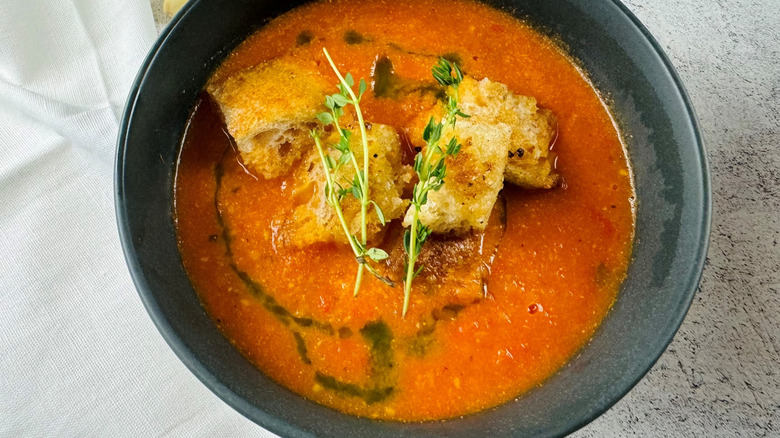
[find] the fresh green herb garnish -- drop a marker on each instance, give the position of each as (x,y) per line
(335,191)
(430,168)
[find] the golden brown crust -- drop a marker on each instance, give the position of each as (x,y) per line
(269,110)
(506,137)
(314,220)
(530,164)
(474,177)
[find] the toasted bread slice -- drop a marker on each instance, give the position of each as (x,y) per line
(530,162)
(506,137)
(269,110)
(314,220)
(474,177)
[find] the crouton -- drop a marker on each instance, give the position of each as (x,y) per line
(474,177)
(505,137)
(456,268)
(462,262)
(314,220)
(269,110)
(530,162)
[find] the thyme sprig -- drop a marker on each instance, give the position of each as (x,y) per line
(335,191)
(430,168)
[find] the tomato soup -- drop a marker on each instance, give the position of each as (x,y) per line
(556,257)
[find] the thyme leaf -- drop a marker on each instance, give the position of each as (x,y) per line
(335,192)
(431,169)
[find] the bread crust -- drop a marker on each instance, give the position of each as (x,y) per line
(314,220)
(530,163)
(474,177)
(269,109)
(506,137)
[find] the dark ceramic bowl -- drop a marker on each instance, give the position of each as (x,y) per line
(673,221)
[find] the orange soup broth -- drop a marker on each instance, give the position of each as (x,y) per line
(555,275)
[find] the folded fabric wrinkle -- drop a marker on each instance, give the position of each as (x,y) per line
(76,346)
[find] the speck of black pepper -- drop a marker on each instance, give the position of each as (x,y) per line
(353,37)
(213,238)
(375,155)
(304,38)
(471,184)
(417,149)
(345,332)
(614,206)
(520,152)
(511,154)
(453,57)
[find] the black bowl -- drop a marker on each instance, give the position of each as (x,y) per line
(673,221)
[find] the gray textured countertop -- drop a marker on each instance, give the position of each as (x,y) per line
(720,377)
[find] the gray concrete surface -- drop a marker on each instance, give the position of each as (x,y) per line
(720,376)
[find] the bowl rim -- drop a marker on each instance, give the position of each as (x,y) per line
(283,428)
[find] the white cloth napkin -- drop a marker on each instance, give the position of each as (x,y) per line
(78,354)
